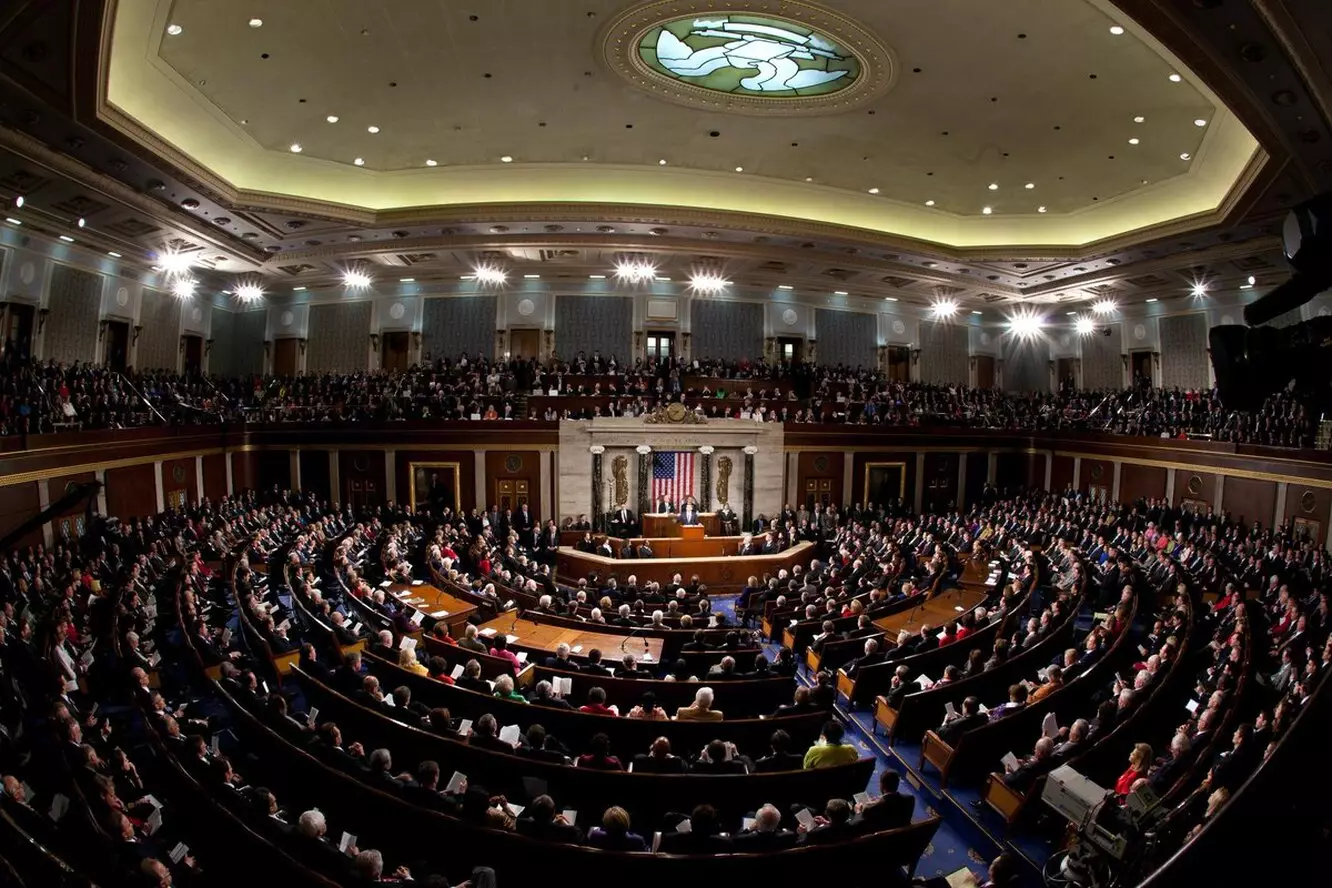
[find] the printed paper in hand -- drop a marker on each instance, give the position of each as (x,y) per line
(1191,706)
(407,644)
(509,734)
(226,637)
(563,686)
(684,826)
(923,681)
(747,824)
(1050,726)
(985,710)
(418,618)
(465,727)
(264,685)
(59,805)
(154,822)
(314,715)
(522,656)
(950,709)
(861,798)
(356,629)
(456,673)
(805,818)
(215,745)
(963,878)
(346,842)
(1009,761)
(517,810)
(178,853)
(571,815)
(390,702)
(457,780)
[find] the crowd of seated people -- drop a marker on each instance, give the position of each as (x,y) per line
(40,397)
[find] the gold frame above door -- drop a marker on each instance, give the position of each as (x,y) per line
(882,464)
(454,467)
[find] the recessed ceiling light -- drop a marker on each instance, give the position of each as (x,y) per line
(12,221)
(355,279)
(256,23)
(976,311)
(1134,141)
(295,148)
(1084,326)
(1200,122)
(466,277)
(406,280)
(929,203)
(635,271)
(82,223)
(994,186)
(531,277)
(1252,280)
(297,289)
(372,129)
(332,118)
(1199,289)
(840,293)
(809,178)
(174,30)
(18,201)
(597,277)
(183,288)
(987,210)
(1040,209)
(360,161)
(1029,185)
(662,161)
(113,254)
(785,287)
(1175,78)
(890,299)
(67,239)
(1139,119)
(249,292)
(506,159)
(1185,156)
(431,163)
(739,169)
(874,191)
(1116,30)
(1153,299)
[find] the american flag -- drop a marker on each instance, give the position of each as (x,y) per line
(672,476)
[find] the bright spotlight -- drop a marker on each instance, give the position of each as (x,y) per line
(708,282)
(355,279)
(249,292)
(1199,290)
(1026,324)
(635,272)
(174,263)
(491,274)
(944,309)
(1085,326)
(183,288)
(1105,306)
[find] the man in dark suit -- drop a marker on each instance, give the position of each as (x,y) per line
(833,825)
(689,514)
(954,727)
(871,656)
(665,507)
(622,517)
(764,834)
(781,758)
(800,705)
(890,810)
(644,550)
(659,760)
(1025,775)
(540,821)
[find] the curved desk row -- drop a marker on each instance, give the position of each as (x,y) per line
(720,573)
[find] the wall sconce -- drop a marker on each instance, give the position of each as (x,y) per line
(101,329)
(208,346)
(915,356)
(1052,366)
(303,343)
(42,314)
(182,344)
(138,328)
(267,344)
(374,342)
(416,341)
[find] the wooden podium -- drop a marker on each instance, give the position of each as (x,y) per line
(692,531)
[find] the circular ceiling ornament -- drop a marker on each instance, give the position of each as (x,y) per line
(397,310)
(122,297)
(776,57)
(899,327)
(526,307)
(790,317)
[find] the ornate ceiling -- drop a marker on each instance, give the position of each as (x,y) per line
(183,140)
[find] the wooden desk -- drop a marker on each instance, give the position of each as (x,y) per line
(671,547)
(934,613)
(434,600)
(667,524)
(541,639)
(720,573)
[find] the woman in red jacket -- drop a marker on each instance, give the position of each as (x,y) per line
(1140,759)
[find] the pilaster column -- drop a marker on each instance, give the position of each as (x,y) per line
(547,488)
(479,478)
(1170,486)
(100,477)
(749,485)
(294,463)
(157,486)
(231,479)
(793,494)
(198,479)
(598,509)
(705,478)
(391,475)
(918,496)
(334,477)
(991,468)
(1283,491)
(961,482)
(44,503)
(645,503)
(1114,485)
(1077,473)
(848,481)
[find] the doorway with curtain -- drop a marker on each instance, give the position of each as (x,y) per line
(524,344)
(393,350)
(899,363)
(116,345)
(985,371)
(285,356)
(193,353)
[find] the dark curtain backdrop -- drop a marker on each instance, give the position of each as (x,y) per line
(1184,359)
(944,358)
(76,304)
(728,331)
(847,337)
(453,325)
(594,324)
(339,337)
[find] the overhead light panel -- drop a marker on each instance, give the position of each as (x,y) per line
(1085,326)
(840,293)
(1040,209)
(297,289)
(1175,78)
(256,23)
(174,262)
(249,292)
(987,210)
(491,274)
(1199,289)
(739,169)
(929,203)
(372,130)
(874,191)
(1103,306)
(19,201)
(531,277)
(506,159)
(1116,30)
(431,163)
(406,280)
(1150,301)
(67,239)
(976,311)
(113,254)
(296,148)
(945,308)
(332,118)
(597,277)
(1200,122)
(360,161)
(175,30)
(355,279)
(785,287)
(12,221)
(994,186)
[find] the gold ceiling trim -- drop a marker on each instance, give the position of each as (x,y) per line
(620,37)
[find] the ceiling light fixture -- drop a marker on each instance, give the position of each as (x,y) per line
(174,262)
(249,292)
(739,169)
(1150,301)
(466,277)
(1040,209)
(943,309)
(708,282)
(1026,324)
(874,191)
(840,293)
(12,221)
(506,159)
(175,30)
(987,210)
(1116,30)
(785,287)
(355,279)
(372,130)
(406,280)
(890,299)
(1029,185)
(1199,289)
(1200,122)
(635,271)
(297,289)
(82,222)
(431,163)
(1139,119)
(360,161)
(67,239)
(809,178)
(531,277)
(332,118)
(1085,326)
(1252,280)
(491,274)
(184,288)
(994,186)
(662,162)
(113,254)
(256,23)
(597,277)
(295,148)
(18,201)
(1185,156)
(976,311)
(1175,78)
(929,203)
(662,279)
(1104,306)
(1134,141)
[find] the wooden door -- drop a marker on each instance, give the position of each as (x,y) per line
(18,330)
(790,349)
(393,352)
(524,344)
(115,345)
(1066,374)
(984,371)
(820,491)
(1141,365)
(899,363)
(193,354)
(285,357)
